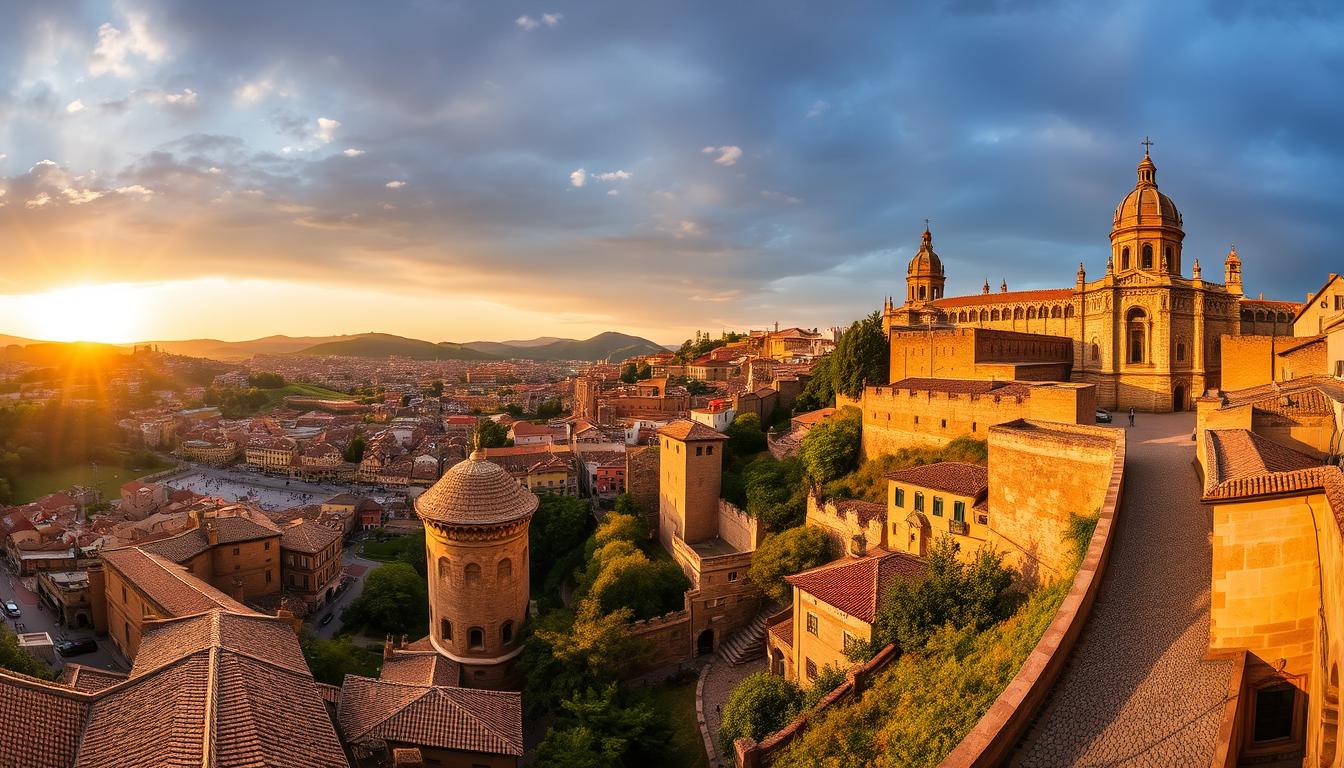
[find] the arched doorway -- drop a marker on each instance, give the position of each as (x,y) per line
(777,662)
(1136,336)
(1178,398)
(704,644)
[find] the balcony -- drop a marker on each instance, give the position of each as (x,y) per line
(958,527)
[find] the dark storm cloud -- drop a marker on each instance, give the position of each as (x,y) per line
(1014,127)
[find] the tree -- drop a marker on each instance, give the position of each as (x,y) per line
(744,435)
(828,679)
(436,388)
(626,505)
(645,371)
(265,380)
(760,705)
(395,600)
(488,434)
(774,491)
(354,453)
(861,357)
(786,553)
(629,373)
(647,588)
(16,659)
(820,389)
(567,655)
(331,660)
(549,409)
(831,449)
(599,728)
(559,525)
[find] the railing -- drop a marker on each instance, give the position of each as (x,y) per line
(958,527)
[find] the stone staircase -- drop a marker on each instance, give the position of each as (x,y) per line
(747,644)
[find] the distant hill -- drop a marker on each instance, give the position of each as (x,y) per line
(241,350)
(6,340)
(604,346)
(537,342)
(386,345)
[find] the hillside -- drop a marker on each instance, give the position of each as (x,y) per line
(241,350)
(604,346)
(386,345)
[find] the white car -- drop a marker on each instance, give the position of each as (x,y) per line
(12,608)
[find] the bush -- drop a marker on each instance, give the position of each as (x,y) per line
(15,659)
(774,491)
(395,600)
(331,660)
(786,553)
(559,525)
(869,481)
(760,705)
(602,727)
(744,435)
(831,449)
(828,679)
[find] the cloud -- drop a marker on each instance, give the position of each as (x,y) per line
(326,128)
(187,98)
(80,196)
(396,184)
(253,91)
(352,152)
(548,19)
(114,48)
(578,178)
(613,192)
(818,108)
(728,155)
(613,176)
(74,106)
(770,194)
(39,201)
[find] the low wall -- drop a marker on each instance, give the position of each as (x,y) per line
(992,739)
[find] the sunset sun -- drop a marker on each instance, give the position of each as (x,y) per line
(108,313)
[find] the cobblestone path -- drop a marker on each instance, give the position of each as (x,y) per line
(1136,691)
(720,681)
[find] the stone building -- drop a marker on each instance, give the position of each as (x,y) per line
(1145,334)
(476,519)
(310,562)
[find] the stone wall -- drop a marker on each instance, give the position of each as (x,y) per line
(668,637)
(1250,361)
(739,529)
(979,353)
(641,481)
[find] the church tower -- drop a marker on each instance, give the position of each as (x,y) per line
(1146,233)
(924,277)
(1232,272)
(476,519)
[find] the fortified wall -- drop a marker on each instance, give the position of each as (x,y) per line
(1250,361)
(979,353)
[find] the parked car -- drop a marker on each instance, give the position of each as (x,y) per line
(77,647)
(1103,416)
(327,619)
(12,609)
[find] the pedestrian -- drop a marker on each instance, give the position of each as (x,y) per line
(1131,415)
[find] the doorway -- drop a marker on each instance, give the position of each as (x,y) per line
(704,644)
(1178,398)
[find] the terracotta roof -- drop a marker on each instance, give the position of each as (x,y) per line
(420,668)
(856,585)
(168,584)
(686,430)
(1239,460)
(308,537)
(232,529)
(957,477)
(476,492)
(1009,297)
(964,386)
(40,722)
(89,679)
(1308,395)
(814,417)
(440,717)
(781,626)
(864,511)
(1302,308)
(1286,306)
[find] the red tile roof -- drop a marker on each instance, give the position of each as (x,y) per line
(956,477)
(856,585)
(308,537)
(686,430)
(168,584)
(431,716)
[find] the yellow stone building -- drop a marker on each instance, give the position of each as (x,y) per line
(1145,334)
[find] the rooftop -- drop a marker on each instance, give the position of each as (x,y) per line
(476,492)
(686,430)
(957,477)
(856,585)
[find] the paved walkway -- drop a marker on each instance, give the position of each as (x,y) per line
(720,681)
(1136,691)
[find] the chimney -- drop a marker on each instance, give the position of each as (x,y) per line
(388,646)
(404,757)
(211,534)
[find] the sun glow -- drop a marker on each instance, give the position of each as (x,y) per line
(108,313)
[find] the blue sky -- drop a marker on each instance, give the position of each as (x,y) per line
(499,170)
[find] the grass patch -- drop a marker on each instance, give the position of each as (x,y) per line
(277,396)
(108,479)
(389,549)
(675,705)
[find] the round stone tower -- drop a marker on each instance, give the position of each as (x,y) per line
(476,518)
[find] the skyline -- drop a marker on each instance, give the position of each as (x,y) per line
(520,170)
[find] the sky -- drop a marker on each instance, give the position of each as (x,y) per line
(497,170)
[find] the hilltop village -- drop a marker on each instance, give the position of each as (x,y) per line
(937,536)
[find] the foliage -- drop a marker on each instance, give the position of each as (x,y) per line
(675,704)
(760,705)
(549,409)
(569,653)
(488,434)
(142,460)
(828,679)
(626,505)
(409,549)
(395,600)
(559,525)
(645,371)
(861,357)
(774,492)
(602,727)
(331,660)
(952,593)
(696,387)
(819,392)
(869,481)
(630,373)
(265,380)
(786,553)
(354,453)
(831,449)
(703,344)
(1080,533)
(619,575)
(744,435)
(15,659)
(436,388)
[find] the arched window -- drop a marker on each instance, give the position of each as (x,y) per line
(445,629)
(1031,313)
(1124,258)
(921,292)
(445,569)
(476,638)
(1170,264)
(505,569)
(1147,256)
(1018,314)
(1096,351)
(473,573)
(1180,350)
(1056,312)
(506,632)
(1068,311)
(1136,335)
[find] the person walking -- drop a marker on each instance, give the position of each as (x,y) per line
(1131,415)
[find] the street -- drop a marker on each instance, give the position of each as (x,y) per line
(359,568)
(39,618)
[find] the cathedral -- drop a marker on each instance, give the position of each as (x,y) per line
(1145,334)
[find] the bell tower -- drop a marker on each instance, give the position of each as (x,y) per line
(1232,272)
(924,277)
(1147,233)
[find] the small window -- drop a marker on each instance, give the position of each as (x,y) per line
(235,551)
(267,546)
(473,573)
(811,623)
(973,428)
(919,501)
(506,632)
(916,419)
(476,638)
(900,497)
(1274,707)
(709,450)
(849,641)
(1124,258)
(699,450)
(445,629)
(959,511)
(811,669)
(1147,257)
(505,570)
(944,424)
(937,506)
(268,576)
(1180,351)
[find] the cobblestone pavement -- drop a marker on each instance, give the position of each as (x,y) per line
(1136,691)
(720,681)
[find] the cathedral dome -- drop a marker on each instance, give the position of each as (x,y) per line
(1145,206)
(476,492)
(926,262)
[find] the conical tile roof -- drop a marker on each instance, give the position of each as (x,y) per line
(476,492)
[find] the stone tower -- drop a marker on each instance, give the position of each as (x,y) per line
(689,478)
(924,277)
(1146,233)
(476,518)
(1232,272)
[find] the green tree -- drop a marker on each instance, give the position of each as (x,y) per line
(488,434)
(831,449)
(549,409)
(395,600)
(819,392)
(354,452)
(645,371)
(861,357)
(559,525)
(331,660)
(626,505)
(647,588)
(971,595)
(16,659)
(566,655)
(266,380)
(629,373)
(744,435)
(786,553)
(760,705)
(600,727)
(774,491)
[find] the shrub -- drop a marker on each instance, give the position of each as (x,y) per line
(831,449)
(786,553)
(760,705)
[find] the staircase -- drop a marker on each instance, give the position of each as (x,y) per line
(747,644)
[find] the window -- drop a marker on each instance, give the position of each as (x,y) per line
(938,506)
(506,632)
(476,638)
(709,451)
(235,551)
(699,450)
(849,642)
(916,419)
(1147,256)
(959,511)
(811,623)
(445,629)
(473,572)
(445,569)
(505,570)
(972,426)
(126,628)
(900,497)
(1180,351)
(811,669)
(732,576)
(1274,707)
(267,546)
(919,501)
(1124,258)
(944,424)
